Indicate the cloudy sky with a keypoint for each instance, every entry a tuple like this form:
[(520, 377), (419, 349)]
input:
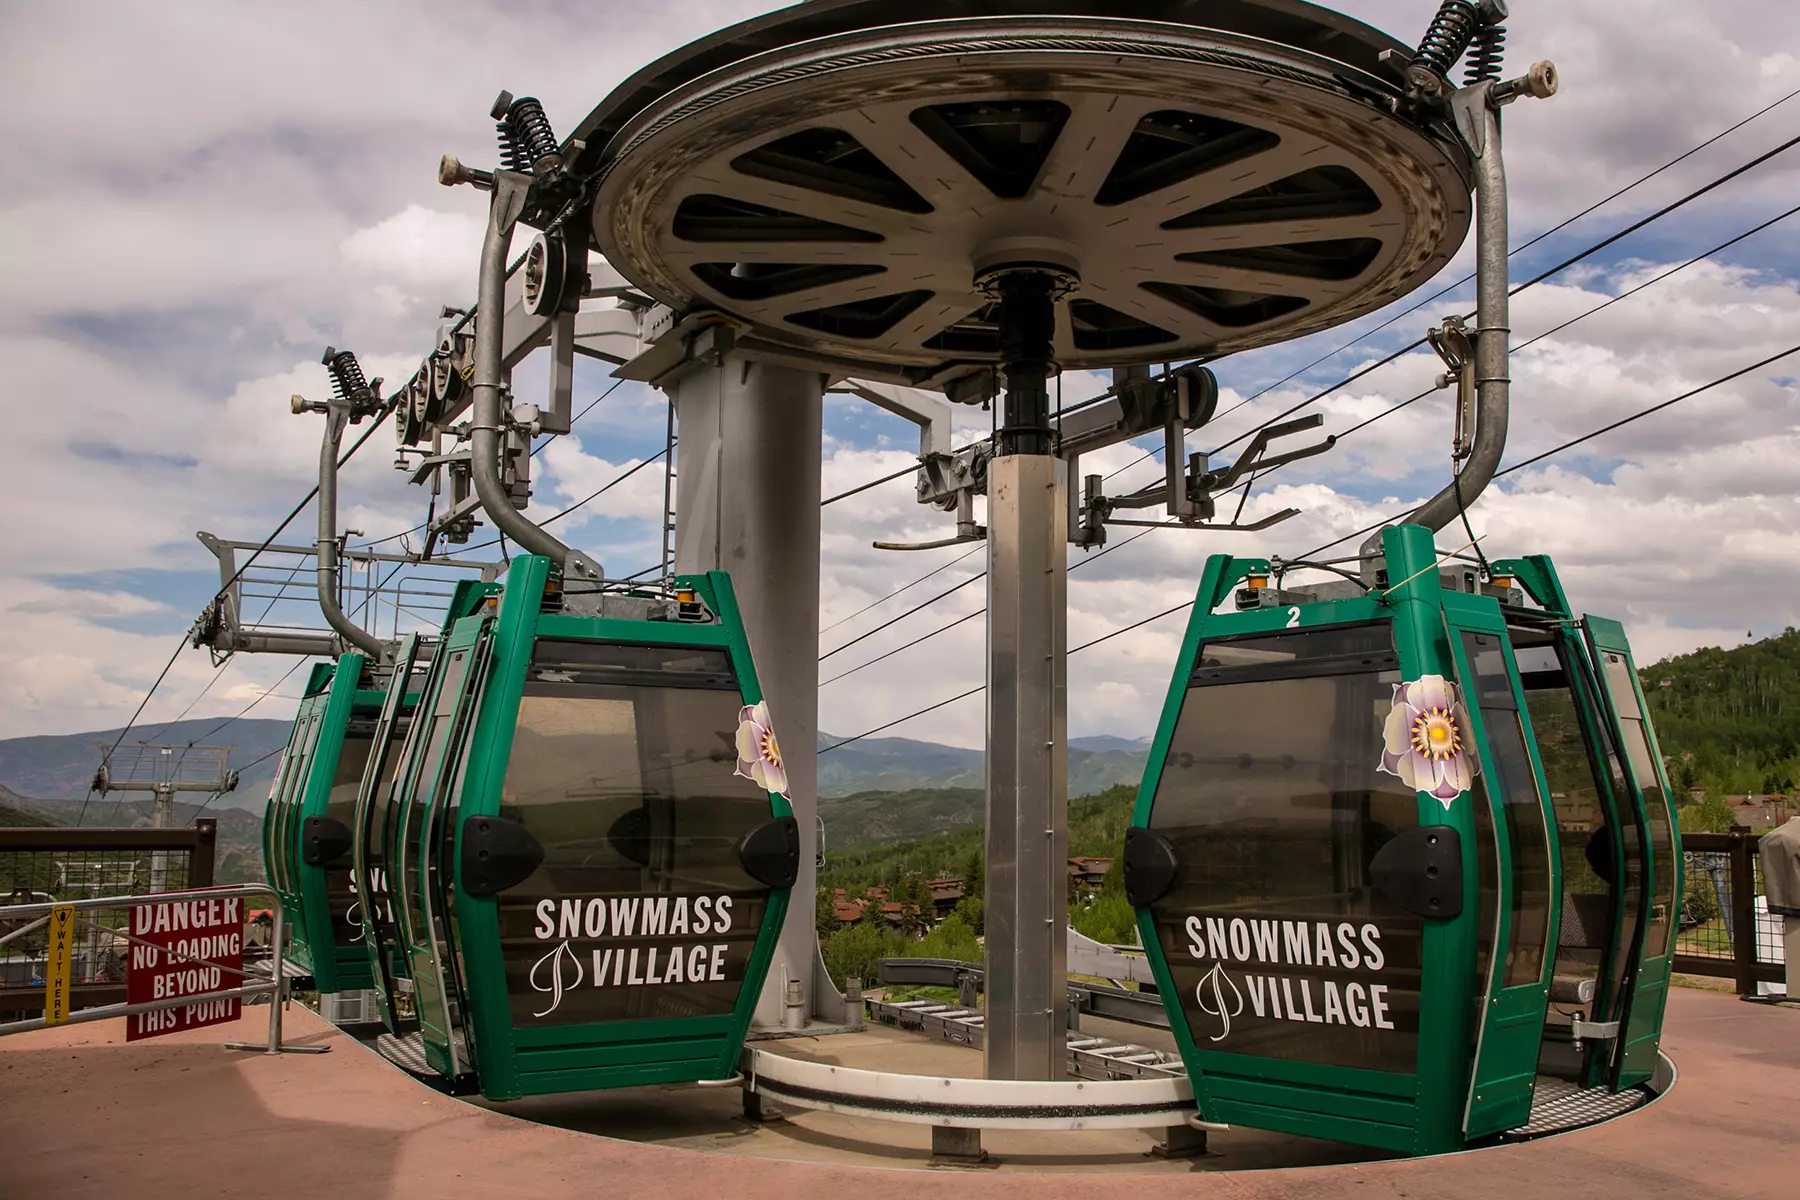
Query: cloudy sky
[(207, 194)]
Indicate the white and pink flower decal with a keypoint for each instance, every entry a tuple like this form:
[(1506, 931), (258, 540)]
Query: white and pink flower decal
[(1426, 739), (759, 757)]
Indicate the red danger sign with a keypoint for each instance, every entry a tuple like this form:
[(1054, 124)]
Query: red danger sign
[(194, 947)]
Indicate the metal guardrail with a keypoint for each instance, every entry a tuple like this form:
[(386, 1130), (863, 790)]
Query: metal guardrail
[(1113, 1003), (1723, 933), (34, 915), (1085, 1056), (56, 863), (954, 1102)]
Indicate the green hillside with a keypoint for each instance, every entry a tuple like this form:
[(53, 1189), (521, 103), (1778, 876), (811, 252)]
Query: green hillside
[(946, 835), (1729, 720)]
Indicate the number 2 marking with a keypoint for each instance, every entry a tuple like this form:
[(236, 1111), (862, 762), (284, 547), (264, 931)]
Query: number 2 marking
[(1293, 618)]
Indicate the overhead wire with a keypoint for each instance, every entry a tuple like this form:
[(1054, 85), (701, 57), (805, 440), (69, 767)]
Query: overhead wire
[(1573, 442), (1386, 412), (1076, 566), (591, 405), (225, 587), (1550, 232), (1586, 437), (1404, 350), (1612, 239)]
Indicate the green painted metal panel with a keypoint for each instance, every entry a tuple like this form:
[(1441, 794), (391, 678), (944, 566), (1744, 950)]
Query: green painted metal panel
[(368, 868), (1420, 1107)]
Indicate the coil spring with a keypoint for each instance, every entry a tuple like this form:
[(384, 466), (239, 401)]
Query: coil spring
[(525, 134), (347, 381), (1485, 55), (1449, 35)]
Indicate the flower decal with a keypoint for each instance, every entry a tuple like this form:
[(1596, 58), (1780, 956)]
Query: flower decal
[(759, 757), (1426, 740)]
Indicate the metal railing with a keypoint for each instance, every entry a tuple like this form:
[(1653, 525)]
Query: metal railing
[(22, 919), (1723, 931), (41, 865)]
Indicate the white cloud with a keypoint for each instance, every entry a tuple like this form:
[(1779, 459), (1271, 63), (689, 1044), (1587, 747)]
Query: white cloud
[(222, 211)]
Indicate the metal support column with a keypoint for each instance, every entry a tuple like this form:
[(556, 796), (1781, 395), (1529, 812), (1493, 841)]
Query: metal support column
[(1027, 718), (747, 501)]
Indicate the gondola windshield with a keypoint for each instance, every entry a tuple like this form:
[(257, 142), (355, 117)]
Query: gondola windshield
[(1273, 800), (624, 768), (340, 806)]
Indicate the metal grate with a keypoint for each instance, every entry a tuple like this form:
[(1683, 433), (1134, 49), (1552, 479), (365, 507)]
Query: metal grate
[(1706, 912), (406, 1051), (1559, 1105)]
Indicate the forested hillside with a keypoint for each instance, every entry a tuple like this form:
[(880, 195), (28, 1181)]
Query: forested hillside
[(1729, 720)]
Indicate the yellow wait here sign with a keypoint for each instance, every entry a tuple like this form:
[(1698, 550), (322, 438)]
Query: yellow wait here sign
[(56, 970)]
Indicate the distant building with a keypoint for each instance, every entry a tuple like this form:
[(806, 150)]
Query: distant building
[(1089, 873), (1761, 812), (945, 895), (947, 892)]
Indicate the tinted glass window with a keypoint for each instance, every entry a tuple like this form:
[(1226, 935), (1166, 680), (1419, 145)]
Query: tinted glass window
[(379, 909), (1645, 770), (1487, 903), (272, 814), (293, 795), (421, 788), (1586, 832), (1279, 943), (1631, 879), (340, 806), (1515, 786), (624, 766)]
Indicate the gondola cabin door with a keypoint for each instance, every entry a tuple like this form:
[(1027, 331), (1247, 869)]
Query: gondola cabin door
[(1518, 868), (369, 874), (419, 838), (1302, 904), (1646, 983)]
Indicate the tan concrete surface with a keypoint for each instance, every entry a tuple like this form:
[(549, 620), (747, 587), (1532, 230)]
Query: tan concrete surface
[(83, 1115), (711, 1119)]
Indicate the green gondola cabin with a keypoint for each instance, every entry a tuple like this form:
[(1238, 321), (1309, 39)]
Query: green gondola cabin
[(587, 847), (307, 828), (1403, 851)]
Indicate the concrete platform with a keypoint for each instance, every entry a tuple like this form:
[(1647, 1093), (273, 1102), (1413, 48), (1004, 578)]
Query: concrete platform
[(82, 1114)]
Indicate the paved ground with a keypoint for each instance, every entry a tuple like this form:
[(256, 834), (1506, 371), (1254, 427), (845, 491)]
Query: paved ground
[(82, 1115), (711, 1120)]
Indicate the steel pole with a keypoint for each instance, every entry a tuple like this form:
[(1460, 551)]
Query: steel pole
[(1027, 767), (747, 497), (1025, 909)]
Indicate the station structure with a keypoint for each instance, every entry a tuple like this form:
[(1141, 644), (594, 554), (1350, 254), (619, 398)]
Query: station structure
[(1379, 931)]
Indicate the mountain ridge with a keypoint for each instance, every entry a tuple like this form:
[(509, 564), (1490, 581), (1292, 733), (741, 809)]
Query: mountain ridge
[(61, 766)]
